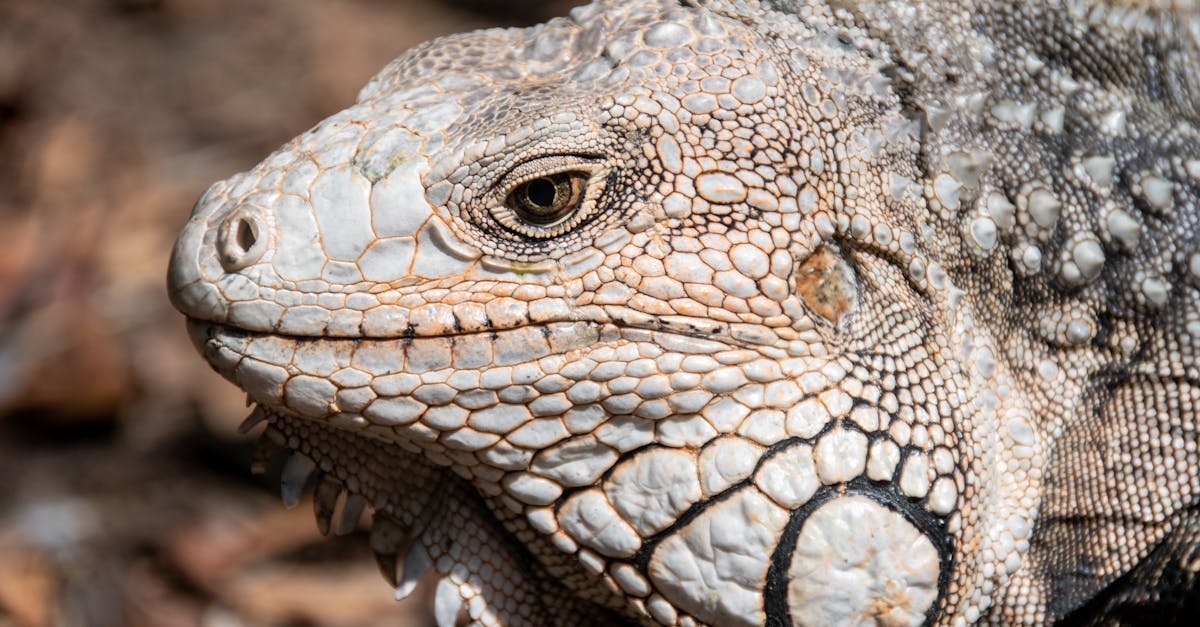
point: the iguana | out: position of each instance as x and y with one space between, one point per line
736 312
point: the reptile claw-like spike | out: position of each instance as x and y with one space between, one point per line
276 436
387 537
325 497
265 450
416 564
352 509
296 471
255 418
447 603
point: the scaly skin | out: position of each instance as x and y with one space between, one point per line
742 312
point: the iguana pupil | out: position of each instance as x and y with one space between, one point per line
542 193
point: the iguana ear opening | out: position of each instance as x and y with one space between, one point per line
827 284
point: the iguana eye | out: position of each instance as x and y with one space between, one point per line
547 200
548 197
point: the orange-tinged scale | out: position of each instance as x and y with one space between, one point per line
826 283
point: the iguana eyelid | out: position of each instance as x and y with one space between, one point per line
544 166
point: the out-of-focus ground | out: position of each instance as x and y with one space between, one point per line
125 494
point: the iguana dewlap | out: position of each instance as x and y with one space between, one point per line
740 312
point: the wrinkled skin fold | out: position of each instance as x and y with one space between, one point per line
741 312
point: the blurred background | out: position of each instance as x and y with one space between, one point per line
125 492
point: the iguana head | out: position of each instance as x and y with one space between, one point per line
638 309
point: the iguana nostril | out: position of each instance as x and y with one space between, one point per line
247 234
241 240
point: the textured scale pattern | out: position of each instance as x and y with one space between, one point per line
738 312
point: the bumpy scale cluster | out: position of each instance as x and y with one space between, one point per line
734 313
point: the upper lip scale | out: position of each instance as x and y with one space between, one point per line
214 326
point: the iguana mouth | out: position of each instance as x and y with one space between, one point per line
718 336
204 330
207 336
229 348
